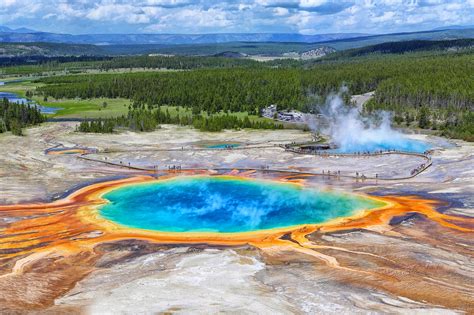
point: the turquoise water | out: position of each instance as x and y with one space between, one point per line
217 204
396 143
223 146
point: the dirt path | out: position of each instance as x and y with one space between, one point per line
361 99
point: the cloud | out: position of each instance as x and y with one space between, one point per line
118 12
198 16
386 16
278 11
324 7
169 3
316 6
193 18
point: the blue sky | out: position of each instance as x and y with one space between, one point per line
199 16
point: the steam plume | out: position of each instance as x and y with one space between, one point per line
353 132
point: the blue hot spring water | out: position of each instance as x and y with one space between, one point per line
223 146
399 144
224 204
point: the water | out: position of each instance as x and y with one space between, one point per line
397 144
223 146
11 81
352 131
223 204
14 98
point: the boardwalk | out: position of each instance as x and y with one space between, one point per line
421 168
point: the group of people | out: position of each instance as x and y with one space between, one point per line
228 147
338 173
418 169
328 172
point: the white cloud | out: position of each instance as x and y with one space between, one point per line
190 19
386 16
312 3
280 11
195 16
118 12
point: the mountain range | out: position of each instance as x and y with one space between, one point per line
25 35
27 42
21 30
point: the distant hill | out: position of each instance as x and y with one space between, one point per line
280 48
48 49
211 44
23 30
230 54
392 43
454 27
221 49
5 29
407 46
398 37
7 35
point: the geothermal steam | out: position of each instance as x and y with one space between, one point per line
352 132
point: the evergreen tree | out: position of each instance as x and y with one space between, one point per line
424 118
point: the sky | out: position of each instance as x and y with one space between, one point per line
227 16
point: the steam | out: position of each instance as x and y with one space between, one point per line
351 131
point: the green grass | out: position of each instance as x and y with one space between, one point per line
19 88
72 108
92 108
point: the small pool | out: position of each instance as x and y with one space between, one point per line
226 204
223 146
68 151
14 98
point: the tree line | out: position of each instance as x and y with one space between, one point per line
409 85
148 119
409 46
14 117
449 122
436 81
41 64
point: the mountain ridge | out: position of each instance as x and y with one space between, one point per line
173 39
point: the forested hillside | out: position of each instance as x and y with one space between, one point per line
177 63
49 49
436 81
48 65
406 47
42 62
405 84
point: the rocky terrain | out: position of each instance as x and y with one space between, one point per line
416 257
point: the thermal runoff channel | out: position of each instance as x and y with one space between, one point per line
225 204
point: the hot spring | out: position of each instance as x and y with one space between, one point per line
397 143
226 205
223 146
352 130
